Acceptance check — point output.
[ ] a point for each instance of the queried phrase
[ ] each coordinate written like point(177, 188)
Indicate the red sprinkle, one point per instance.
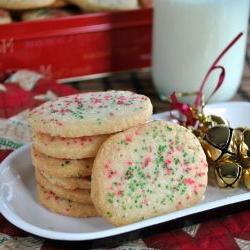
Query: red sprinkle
point(119, 193)
point(128, 138)
point(168, 161)
point(146, 162)
point(189, 181)
point(169, 171)
point(137, 132)
point(130, 163)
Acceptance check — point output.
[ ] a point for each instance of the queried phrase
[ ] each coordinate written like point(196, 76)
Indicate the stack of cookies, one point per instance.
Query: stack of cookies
point(68, 133)
point(63, 168)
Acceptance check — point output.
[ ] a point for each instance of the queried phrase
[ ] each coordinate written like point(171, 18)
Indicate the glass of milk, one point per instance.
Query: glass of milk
point(188, 35)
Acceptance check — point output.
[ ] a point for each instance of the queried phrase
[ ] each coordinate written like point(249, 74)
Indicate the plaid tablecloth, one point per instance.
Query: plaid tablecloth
point(224, 228)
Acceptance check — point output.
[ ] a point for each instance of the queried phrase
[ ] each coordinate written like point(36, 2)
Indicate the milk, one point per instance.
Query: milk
point(188, 35)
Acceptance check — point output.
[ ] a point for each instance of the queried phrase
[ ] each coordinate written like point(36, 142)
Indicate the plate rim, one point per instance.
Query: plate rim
point(224, 104)
point(50, 234)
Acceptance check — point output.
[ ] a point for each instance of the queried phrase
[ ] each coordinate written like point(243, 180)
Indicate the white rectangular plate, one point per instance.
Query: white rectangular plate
point(19, 205)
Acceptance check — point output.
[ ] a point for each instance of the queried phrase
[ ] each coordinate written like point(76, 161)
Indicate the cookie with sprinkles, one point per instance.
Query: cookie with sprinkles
point(61, 167)
point(93, 113)
point(147, 171)
point(68, 148)
point(62, 206)
point(77, 195)
point(24, 4)
point(107, 5)
point(44, 13)
point(70, 183)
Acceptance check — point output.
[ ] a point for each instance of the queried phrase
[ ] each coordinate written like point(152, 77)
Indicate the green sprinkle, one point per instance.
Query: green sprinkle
point(176, 161)
point(109, 214)
point(169, 129)
point(123, 142)
point(110, 198)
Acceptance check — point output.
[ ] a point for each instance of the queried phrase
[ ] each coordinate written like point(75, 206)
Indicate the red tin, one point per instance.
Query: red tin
point(79, 46)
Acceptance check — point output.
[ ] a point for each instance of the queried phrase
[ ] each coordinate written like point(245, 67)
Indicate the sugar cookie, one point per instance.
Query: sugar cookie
point(24, 4)
point(45, 13)
point(68, 182)
point(77, 195)
point(92, 113)
point(68, 148)
point(62, 206)
point(107, 5)
point(146, 171)
point(61, 167)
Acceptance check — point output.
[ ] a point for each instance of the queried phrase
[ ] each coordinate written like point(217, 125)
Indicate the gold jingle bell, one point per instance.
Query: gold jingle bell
point(244, 148)
point(246, 177)
point(220, 142)
point(228, 173)
point(241, 129)
point(208, 121)
point(215, 120)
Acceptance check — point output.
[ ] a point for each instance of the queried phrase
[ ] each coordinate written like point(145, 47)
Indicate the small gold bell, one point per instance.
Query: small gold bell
point(244, 148)
point(211, 152)
point(228, 173)
point(208, 121)
point(220, 141)
point(246, 177)
point(241, 129)
point(216, 120)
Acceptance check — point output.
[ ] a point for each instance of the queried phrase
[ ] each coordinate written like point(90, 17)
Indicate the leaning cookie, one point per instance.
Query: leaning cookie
point(5, 17)
point(148, 171)
point(107, 5)
point(68, 148)
point(65, 207)
point(42, 14)
point(68, 182)
point(61, 167)
point(77, 195)
point(93, 113)
point(24, 4)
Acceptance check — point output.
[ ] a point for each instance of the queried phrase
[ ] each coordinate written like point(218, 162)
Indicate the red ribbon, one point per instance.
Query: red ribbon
point(184, 108)
point(214, 67)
